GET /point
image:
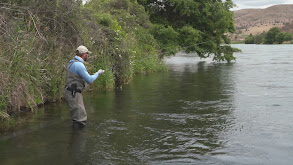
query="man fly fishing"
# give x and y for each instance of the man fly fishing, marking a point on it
(76, 77)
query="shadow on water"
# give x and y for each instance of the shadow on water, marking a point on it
(160, 118)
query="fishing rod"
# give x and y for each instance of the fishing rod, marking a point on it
(127, 63)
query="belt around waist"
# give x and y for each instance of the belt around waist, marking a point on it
(73, 90)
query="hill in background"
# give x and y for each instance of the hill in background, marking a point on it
(255, 21)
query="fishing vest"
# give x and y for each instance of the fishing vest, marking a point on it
(73, 80)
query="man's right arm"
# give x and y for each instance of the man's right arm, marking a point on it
(81, 70)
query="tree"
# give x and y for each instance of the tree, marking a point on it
(280, 38)
(288, 37)
(250, 39)
(210, 20)
(167, 37)
(271, 35)
(259, 39)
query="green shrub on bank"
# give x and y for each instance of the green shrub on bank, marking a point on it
(273, 36)
(130, 47)
(145, 56)
(250, 39)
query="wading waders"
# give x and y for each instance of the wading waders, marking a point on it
(74, 85)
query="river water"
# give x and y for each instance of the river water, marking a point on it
(200, 112)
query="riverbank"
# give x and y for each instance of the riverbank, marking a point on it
(39, 39)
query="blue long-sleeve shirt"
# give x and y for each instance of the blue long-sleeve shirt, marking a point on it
(79, 69)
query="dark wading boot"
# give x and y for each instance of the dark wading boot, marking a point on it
(77, 126)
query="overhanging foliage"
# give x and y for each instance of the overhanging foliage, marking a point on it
(202, 25)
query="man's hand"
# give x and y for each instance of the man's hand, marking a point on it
(100, 72)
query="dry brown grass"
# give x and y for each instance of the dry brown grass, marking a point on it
(255, 21)
(32, 38)
(287, 28)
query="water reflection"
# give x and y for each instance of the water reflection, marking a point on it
(77, 145)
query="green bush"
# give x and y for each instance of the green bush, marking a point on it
(288, 37)
(280, 38)
(250, 39)
(106, 20)
(271, 35)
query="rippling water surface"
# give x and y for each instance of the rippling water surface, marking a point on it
(200, 112)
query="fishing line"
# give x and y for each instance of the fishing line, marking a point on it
(127, 63)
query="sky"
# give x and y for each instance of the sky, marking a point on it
(244, 4)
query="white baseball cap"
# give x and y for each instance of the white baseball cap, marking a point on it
(82, 49)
